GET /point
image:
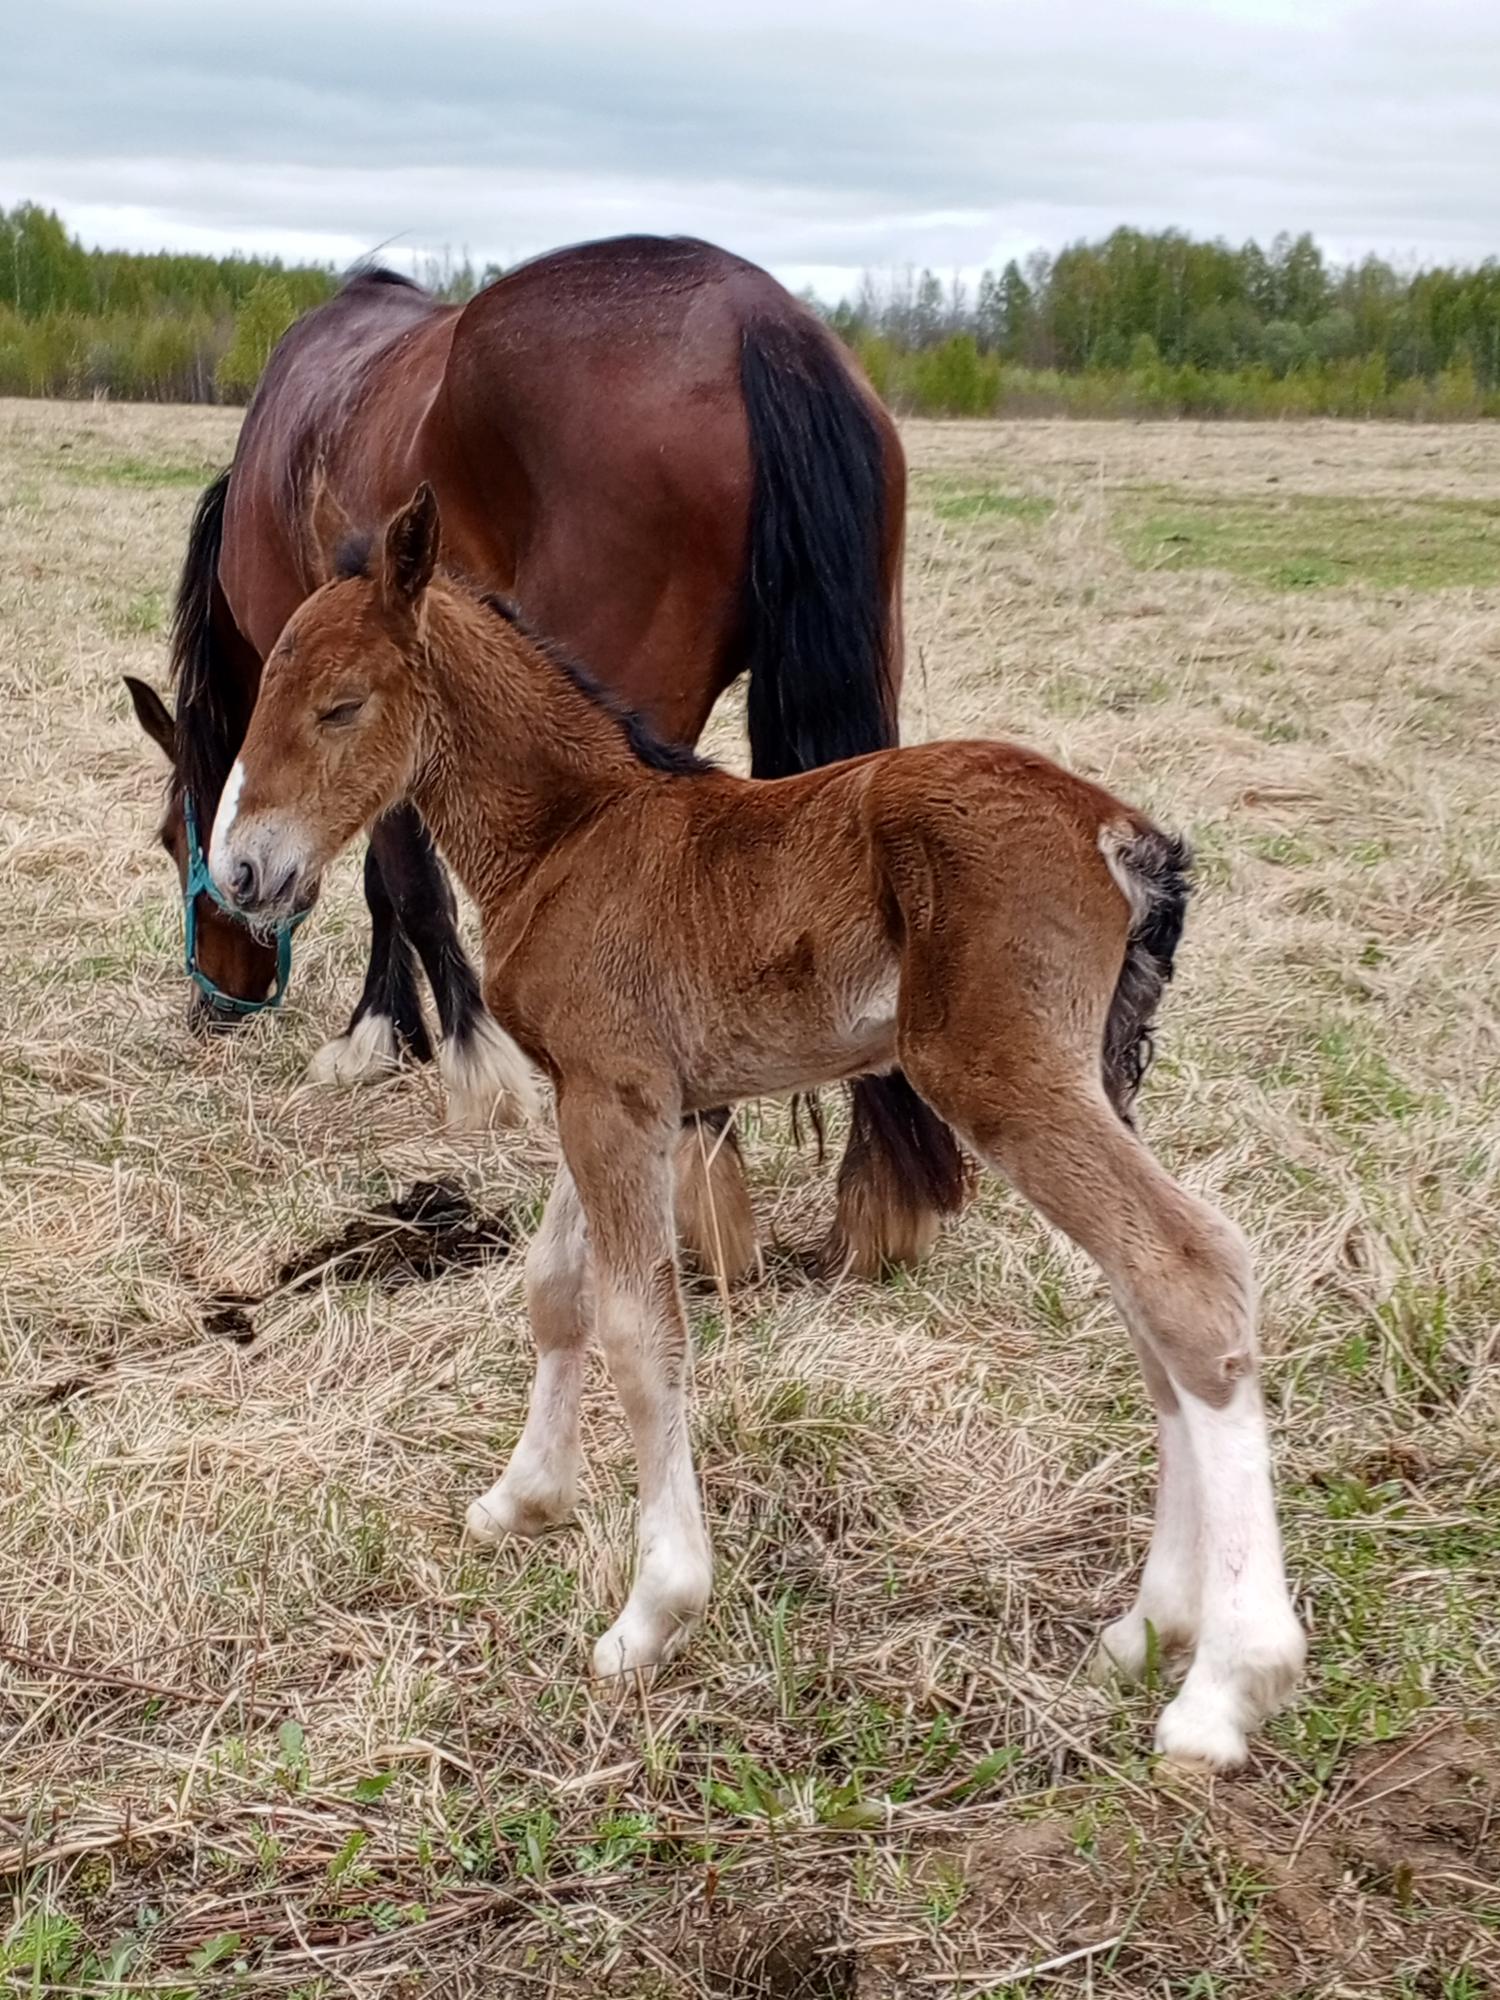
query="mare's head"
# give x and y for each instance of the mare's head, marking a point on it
(336, 735)
(234, 970)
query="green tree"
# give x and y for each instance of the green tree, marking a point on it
(260, 323)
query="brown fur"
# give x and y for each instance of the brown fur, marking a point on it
(661, 943)
(679, 472)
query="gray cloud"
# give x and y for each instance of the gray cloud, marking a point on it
(819, 139)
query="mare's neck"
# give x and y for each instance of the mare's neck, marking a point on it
(517, 755)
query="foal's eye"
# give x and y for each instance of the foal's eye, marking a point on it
(340, 713)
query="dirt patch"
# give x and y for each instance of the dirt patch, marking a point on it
(427, 1233)
(227, 1317)
(736, 1955)
(1422, 1825)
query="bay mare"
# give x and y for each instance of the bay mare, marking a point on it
(660, 936)
(677, 471)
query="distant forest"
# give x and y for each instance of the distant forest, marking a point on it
(1138, 324)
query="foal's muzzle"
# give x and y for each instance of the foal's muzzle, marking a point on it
(264, 898)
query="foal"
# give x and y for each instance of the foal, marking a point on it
(661, 937)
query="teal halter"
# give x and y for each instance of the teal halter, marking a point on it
(200, 883)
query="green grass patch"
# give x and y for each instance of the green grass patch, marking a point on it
(142, 618)
(138, 472)
(986, 503)
(1317, 542)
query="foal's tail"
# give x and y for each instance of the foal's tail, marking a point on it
(820, 629)
(1155, 871)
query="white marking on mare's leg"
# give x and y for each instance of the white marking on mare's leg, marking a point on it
(1171, 1584)
(367, 1054)
(224, 818)
(1250, 1647)
(539, 1488)
(487, 1078)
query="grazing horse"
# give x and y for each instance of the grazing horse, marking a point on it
(662, 936)
(679, 473)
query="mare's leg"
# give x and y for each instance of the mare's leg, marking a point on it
(901, 1173)
(618, 1141)
(539, 1488)
(387, 1023)
(715, 1222)
(1181, 1276)
(487, 1078)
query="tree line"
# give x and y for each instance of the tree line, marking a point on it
(159, 326)
(1146, 322)
(1140, 323)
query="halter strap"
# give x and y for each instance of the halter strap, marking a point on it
(200, 883)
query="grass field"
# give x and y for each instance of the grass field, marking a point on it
(267, 1724)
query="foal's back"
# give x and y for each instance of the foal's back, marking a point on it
(753, 937)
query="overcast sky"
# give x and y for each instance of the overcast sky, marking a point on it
(817, 138)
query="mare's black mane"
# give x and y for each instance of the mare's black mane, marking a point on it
(378, 274)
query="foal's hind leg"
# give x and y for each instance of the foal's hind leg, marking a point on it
(1169, 1600)
(539, 1488)
(1181, 1276)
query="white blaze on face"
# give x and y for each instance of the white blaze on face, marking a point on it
(224, 818)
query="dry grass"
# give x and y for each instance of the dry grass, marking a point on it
(266, 1724)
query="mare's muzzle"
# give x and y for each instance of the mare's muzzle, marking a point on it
(218, 1010)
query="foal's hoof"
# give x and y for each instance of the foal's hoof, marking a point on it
(1198, 1731)
(1125, 1648)
(367, 1054)
(658, 1620)
(1207, 1725)
(497, 1515)
(638, 1643)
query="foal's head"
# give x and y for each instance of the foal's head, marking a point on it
(335, 738)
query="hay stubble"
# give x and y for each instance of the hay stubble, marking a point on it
(260, 1706)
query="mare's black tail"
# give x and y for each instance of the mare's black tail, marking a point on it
(210, 705)
(818, 627)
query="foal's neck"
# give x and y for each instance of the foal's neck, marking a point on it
(518, 754)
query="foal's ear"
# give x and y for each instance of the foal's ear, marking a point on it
(411, 548)
(152, 713)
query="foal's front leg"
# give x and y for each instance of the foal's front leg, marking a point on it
(621, 1157)
(539, 1488)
